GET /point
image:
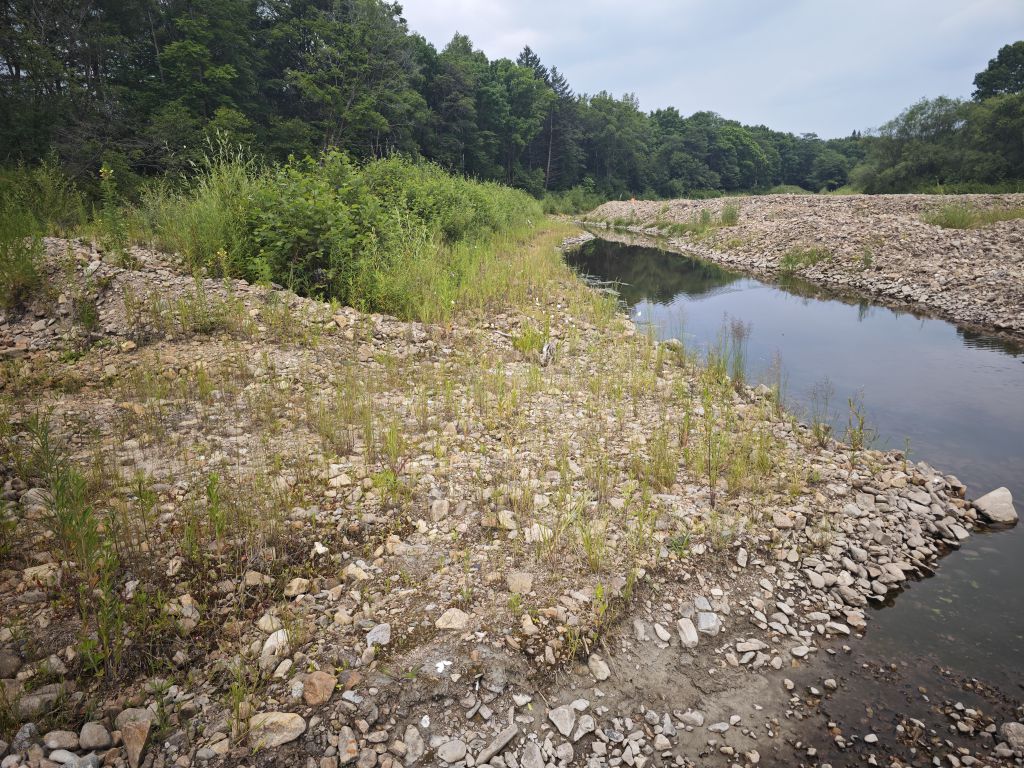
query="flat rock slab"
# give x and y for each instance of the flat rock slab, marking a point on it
(564, 718)
(272, 729)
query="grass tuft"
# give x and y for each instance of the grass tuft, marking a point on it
(967, 217)
(796, 259)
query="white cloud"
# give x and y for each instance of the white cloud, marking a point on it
(824, 66)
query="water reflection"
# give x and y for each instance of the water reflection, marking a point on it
(957, 396)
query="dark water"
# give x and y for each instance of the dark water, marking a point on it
(956, 396)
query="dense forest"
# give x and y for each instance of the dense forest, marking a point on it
(142, 87)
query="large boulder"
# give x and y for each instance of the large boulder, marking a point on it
(997, 506)
(1013, 734)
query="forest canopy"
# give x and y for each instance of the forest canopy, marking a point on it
(142, 86)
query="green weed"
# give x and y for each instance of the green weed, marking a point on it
(798, 258)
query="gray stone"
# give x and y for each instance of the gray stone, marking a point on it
(40, 701)
(532, 757)
(687, 633)
(133, 715)
(94, 736)
(414, 746)
(379, 635)
(519, 582)
(564, 753)
(277, 644)
(584, 726)
(61, 740)
(693, 718)
(135, 734)
(348, 745)
(452, 751)
(63, 756)
(667, 726)
(598, 667)
(564, 718)
(997, 506)
(708, 623)
(1013, 734)
(10, 663)
(26, 736)
(497, 746)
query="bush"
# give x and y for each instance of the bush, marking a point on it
(579, 199)
(207, 216)
(20, 255)
(392, 236)
(44, 196)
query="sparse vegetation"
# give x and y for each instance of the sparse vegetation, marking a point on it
(796, 259)
(968, 217)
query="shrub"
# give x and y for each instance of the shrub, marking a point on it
(579, 199)
(730, 215)
(43, 195)
(392, 236)
(20, 255)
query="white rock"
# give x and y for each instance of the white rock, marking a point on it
(598, 667)
(277, 644)
(453, 618)
(997, 506)
(687, 633)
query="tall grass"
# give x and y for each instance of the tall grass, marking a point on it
(20, 256)
(967, 217)
(797, 258)
(34, 200)
(702, 224)
(579, 199)
(391, 235)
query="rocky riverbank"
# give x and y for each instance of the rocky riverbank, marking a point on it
(303, 535)
(879, 246)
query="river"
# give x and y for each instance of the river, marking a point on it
(955, 397)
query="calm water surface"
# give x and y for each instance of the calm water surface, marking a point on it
(956, 396)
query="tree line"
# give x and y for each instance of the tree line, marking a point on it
(143, 85)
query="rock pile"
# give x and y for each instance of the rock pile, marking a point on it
(873, 245)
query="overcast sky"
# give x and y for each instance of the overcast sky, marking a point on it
(821, 66)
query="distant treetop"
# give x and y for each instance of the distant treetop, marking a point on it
(1004, 73)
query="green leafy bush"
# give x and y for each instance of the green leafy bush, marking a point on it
(392, 235)
(579, 199)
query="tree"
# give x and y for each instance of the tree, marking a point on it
(1004, 73)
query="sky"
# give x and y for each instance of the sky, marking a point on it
(805, 66)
